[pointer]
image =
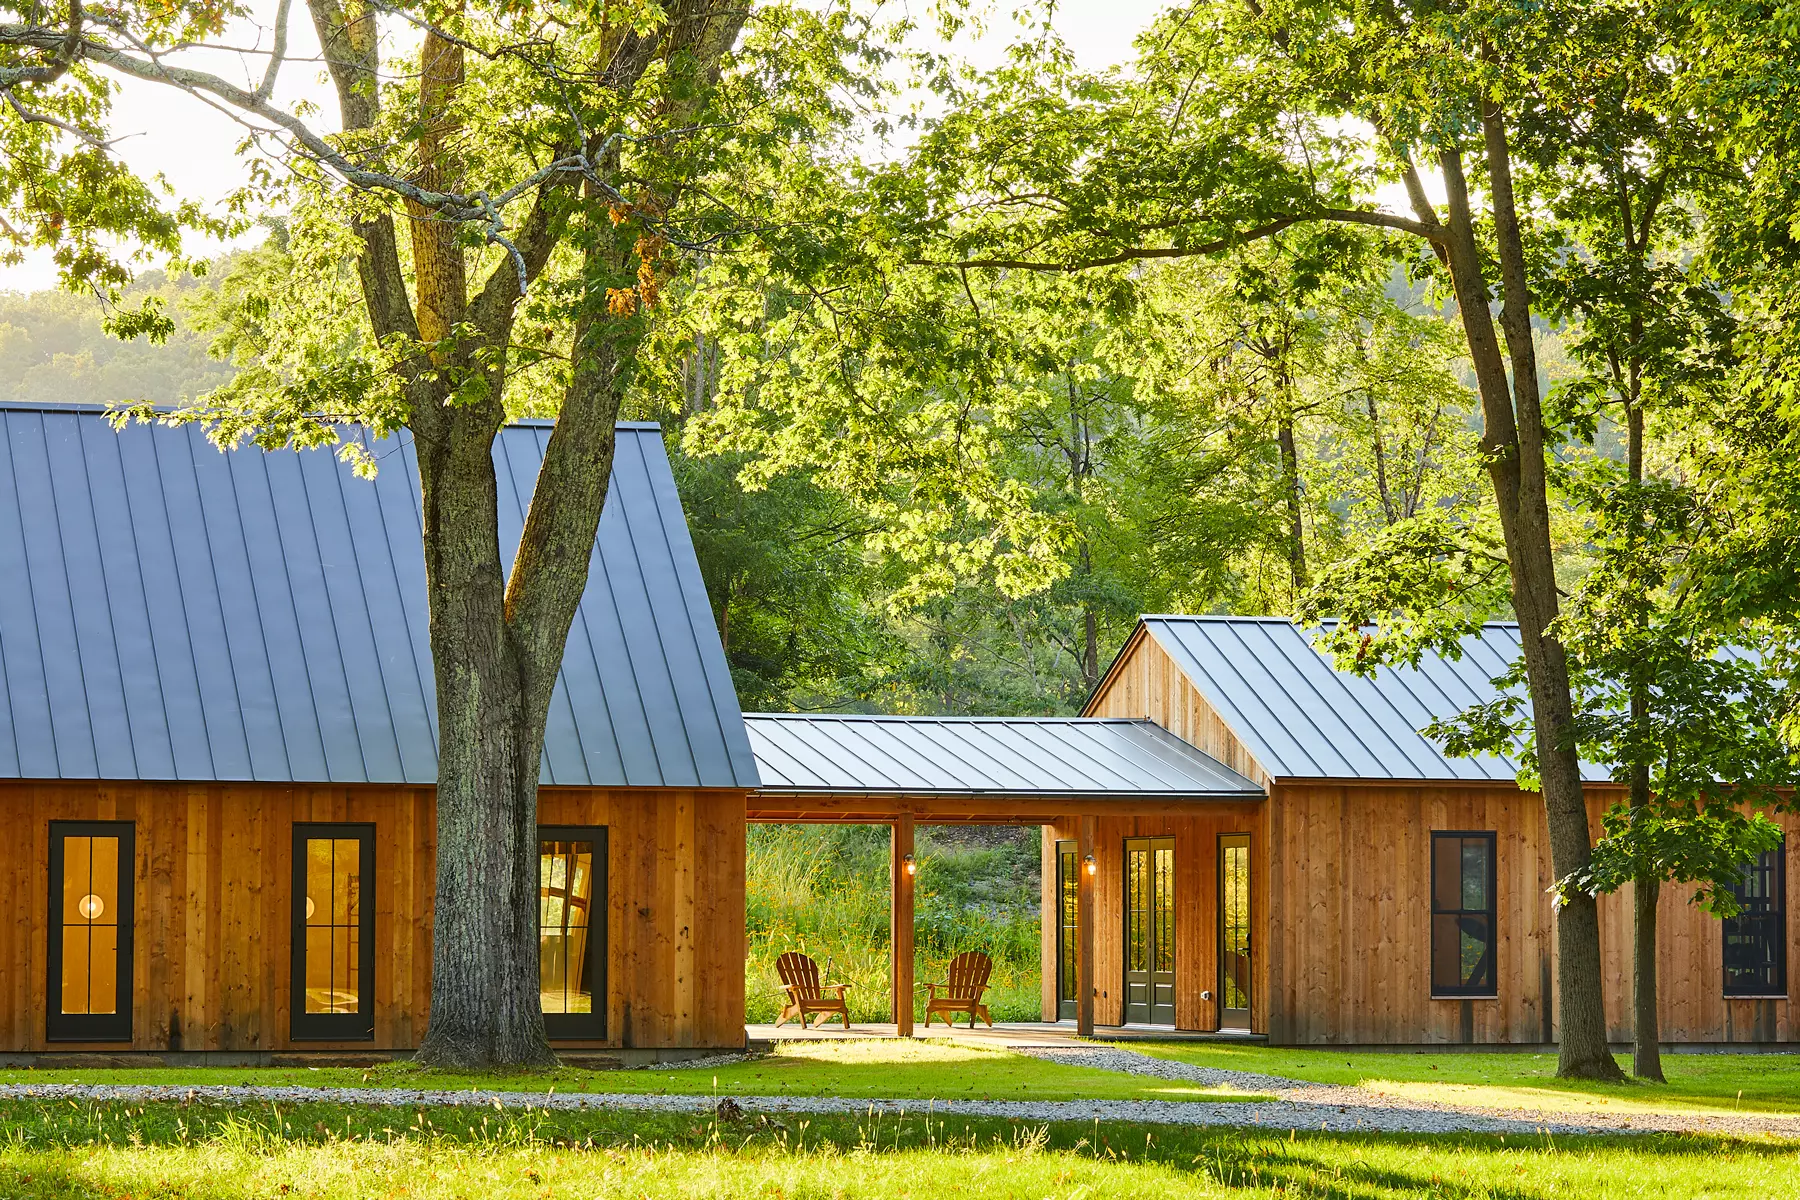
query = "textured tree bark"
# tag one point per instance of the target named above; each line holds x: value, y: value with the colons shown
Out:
x: 1290, y: 496
x: 1646, y: 1030
x: 485, y: 1004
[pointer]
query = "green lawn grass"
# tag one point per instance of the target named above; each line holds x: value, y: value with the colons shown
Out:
x: 888, y: 1070
x: 215, y: 1152
x: 1751, y: 1083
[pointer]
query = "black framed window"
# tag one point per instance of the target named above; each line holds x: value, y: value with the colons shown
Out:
x: 91, y: 893
x: 333, y: 990
x: 1462, y: 913
x: 572, y: 930
x: 1756, y: 939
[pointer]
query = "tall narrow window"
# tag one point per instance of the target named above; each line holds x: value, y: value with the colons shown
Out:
x: 572, y: 930
x: 1235, y: 972
x: 1756, y: 939
x: 333, y: 990
x: 90, y: 931
x: 1462, y: 914
x: 1068, y: 929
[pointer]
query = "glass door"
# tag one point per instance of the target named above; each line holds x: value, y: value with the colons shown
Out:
x: 572, y: 930
x: 1150, y: 931
x: 1234, y: 931
x: 1068, y: 910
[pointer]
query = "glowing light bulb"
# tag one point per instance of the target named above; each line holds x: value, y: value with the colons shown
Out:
x: 309, y: 908
x: 90, y: 906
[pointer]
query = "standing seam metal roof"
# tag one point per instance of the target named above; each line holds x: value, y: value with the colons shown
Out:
x: 1010, y: 756
x: 171, y: 612
x: 1300, y: 717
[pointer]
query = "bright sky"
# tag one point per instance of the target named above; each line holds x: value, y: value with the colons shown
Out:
x: 195, y: 149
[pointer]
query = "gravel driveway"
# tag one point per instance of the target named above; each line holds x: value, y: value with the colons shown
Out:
x: 1307, y: 1105
x: 1298, y: 1105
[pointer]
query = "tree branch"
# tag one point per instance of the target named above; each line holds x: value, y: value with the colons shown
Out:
x: 1436, y: 234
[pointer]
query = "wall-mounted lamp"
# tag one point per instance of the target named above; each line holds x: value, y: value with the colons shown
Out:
x: 908, y: 865
x: 1093, y: 868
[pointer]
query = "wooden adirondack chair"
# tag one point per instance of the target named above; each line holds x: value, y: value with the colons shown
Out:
x: 969, y: 973
x: 805, y: 994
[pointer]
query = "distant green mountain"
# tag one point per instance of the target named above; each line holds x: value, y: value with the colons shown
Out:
x: 53, y: 350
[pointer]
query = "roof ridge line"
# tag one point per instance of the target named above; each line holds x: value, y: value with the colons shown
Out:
x: 89, y: 408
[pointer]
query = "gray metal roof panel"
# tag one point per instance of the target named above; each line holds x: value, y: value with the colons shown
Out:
x: 1024, y: 756
x: 170, y: 612
x: 1300, y: 717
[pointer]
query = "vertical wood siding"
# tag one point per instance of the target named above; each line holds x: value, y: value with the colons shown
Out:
x: 1196, y: 909
x: 213, y: 910
x: 1350, y: 937
x: 1146, y: 683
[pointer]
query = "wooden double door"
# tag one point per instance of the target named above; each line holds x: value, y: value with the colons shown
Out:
x: 1150, y: 931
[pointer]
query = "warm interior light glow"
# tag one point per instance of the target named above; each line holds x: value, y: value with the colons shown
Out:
x: 908, y: 865
x: 1093, y: 868
x: 309, y: 908
x: 91, y: 906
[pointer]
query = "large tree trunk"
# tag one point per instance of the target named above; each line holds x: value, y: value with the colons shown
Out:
x: 485, y: 1003
x: 1512, y: 438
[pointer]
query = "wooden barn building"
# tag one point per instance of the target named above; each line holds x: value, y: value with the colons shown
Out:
x: 1379, y: 893
x: 218, y: 751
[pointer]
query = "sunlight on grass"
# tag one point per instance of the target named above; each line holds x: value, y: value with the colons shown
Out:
x: 209, y: 1152
x: 1698, y: 1083
x: 885, y: 1069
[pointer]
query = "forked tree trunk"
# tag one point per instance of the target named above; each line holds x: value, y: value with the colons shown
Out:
x: 1513, y: 441
x: 497, y: 638
x: 485, y: 1002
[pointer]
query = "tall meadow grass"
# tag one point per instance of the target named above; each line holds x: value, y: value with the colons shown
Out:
x: 823, y: 890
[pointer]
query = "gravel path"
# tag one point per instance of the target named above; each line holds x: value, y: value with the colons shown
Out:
x: 1305, y: 1105
x: 1297, y: 1105
x: 1250, y: 1114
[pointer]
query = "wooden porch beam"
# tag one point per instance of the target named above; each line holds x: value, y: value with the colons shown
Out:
x: 901, y: 925
x: 1084, y: 929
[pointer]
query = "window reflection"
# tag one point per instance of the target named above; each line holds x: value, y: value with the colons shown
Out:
x: 333, y: 924
x: 565, y: 898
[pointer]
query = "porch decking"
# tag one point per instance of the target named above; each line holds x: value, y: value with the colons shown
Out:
x: 1005, y: 1035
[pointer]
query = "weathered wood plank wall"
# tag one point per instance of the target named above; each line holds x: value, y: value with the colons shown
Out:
x: 1146, y: 683
x: 1349, y: 934
x: 211, y: 960
x: 1196, y: 908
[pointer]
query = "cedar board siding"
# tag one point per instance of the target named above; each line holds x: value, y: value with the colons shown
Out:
x: 1349, y: 943
x: 1196, y: 908
x: 1345, y: 926
x: 213, y: 911
x: 1145, y: 683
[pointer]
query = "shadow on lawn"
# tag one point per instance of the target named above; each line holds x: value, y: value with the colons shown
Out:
x: 48, y: 1153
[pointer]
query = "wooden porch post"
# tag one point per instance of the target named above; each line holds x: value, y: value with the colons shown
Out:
x: 1084, y: 931
x: 901, y: 926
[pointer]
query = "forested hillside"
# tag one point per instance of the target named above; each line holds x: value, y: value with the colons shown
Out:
x: 54, y: 351
x: 1213, y: 448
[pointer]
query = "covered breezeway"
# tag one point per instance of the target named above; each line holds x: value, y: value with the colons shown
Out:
x: 1121, y: 788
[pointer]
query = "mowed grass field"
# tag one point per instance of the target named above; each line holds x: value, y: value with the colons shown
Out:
x: 857, y: 1070
x: 1700, y: 1083
x: 218, y: 1152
